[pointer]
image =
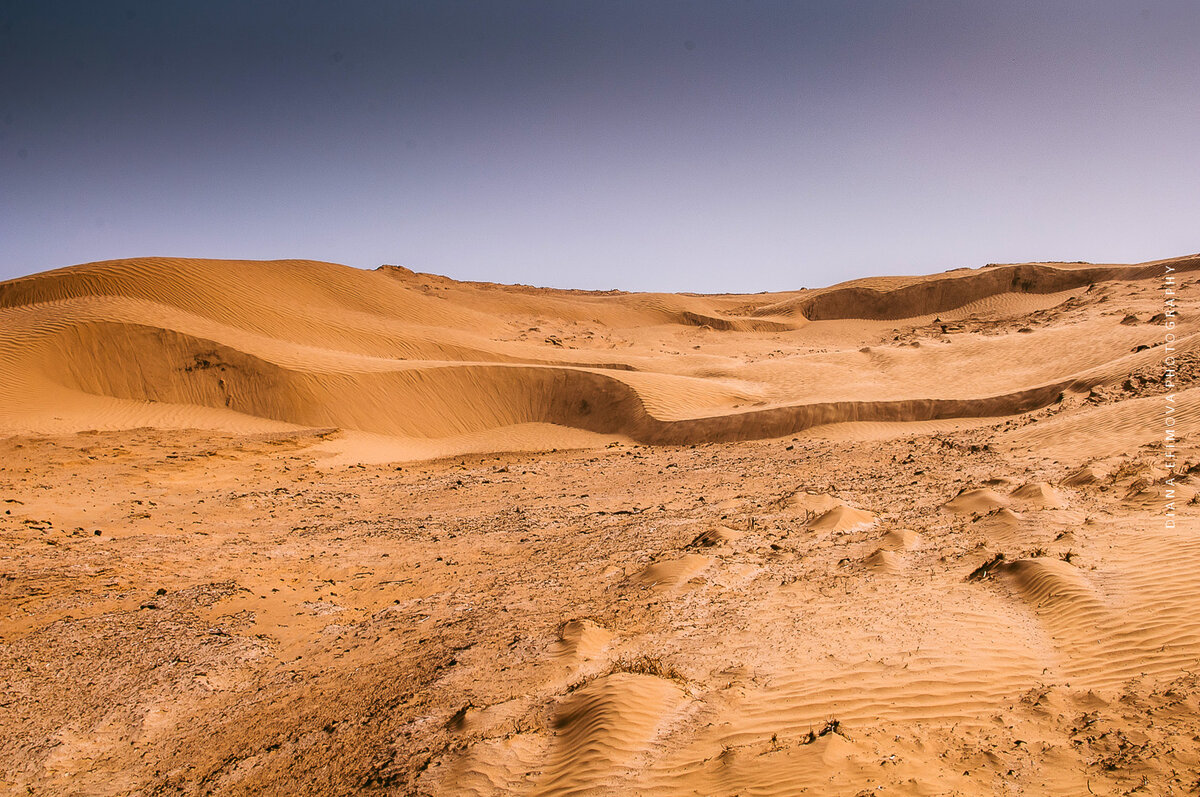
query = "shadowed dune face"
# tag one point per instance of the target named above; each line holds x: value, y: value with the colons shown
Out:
x: 294, y: 528
x: 148, y: 364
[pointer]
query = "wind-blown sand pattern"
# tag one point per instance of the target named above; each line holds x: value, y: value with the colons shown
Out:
x: 290, y: 527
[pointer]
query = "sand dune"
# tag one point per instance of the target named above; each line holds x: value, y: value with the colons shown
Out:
x: 716, y: 537
x: 901, y: 540
x: 290, y: 527
x: 418, y: 357
x: 980, y: 501
x: 885, y: 561
x: 843, y: 518
x: 581, y: 639
x: 900, y: 297
x: 1037, y: 495
x: 673, y: 574
x: 605, y: 725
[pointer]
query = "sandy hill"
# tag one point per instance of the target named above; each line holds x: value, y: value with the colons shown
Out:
x: 439, y: 366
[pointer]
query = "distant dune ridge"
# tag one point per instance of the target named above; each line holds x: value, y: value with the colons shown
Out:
x: 436, y: 366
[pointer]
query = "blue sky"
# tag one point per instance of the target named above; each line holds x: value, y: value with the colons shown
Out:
x: 738, y: 146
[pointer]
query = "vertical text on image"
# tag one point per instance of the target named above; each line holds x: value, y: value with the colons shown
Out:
x: 1169, y: 425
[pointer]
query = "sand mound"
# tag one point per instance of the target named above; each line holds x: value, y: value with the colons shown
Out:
x: 673, y: 573
x: 901, y: 540
x: 815, y: 503
x: 843, y: 518
x: 1038, y: 495
x: 1002, y: 518
x: 581, y: 639
x: 1002, y: 526
x: 976, y: 502
x: 716, y: 537
x: 603, y: 726
x: 885, y: 561
x: 1055, y: 587
x: 1087, y: 475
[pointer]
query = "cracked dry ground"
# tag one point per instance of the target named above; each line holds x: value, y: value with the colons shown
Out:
x: 194, y: 613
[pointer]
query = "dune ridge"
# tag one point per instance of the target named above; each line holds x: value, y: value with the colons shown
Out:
x: 904, y: 299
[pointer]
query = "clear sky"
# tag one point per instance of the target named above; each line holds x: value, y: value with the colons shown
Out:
x: 705, y: 146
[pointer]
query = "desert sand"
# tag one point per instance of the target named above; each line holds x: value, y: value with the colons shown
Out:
x: 291, y: 527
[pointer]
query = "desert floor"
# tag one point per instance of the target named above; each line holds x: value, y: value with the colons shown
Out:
x: 297, y: 529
